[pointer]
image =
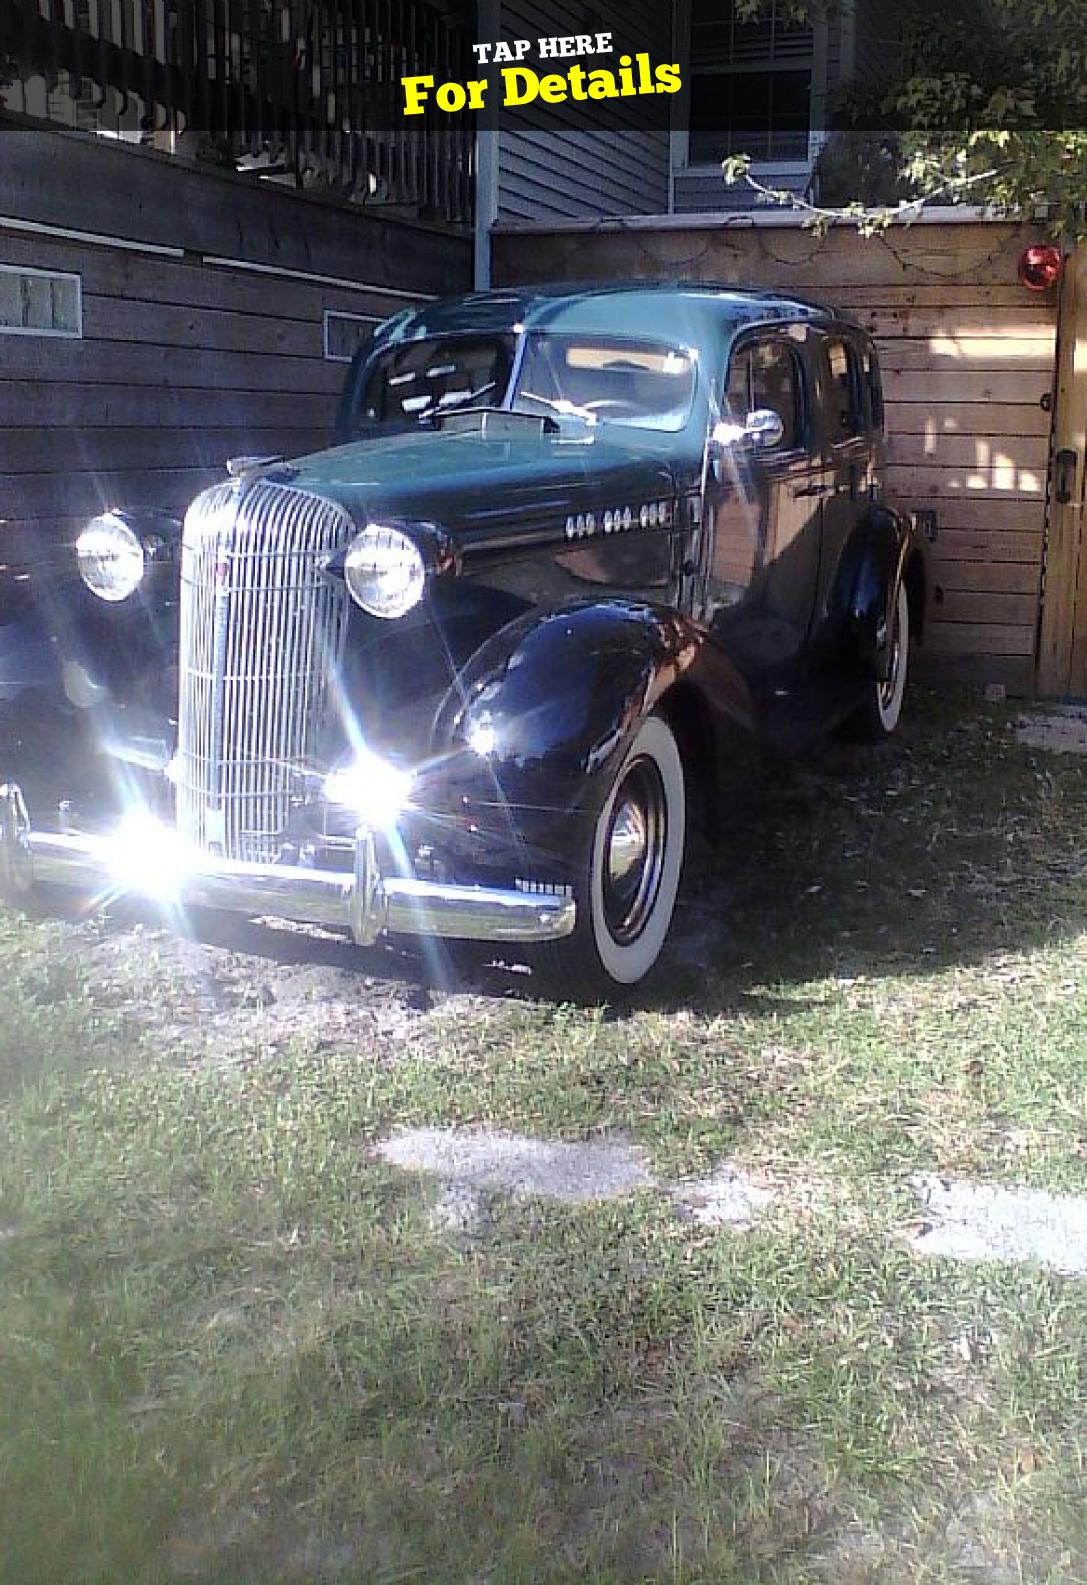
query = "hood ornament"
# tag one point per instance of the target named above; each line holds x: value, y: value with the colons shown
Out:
x: 252, y: 467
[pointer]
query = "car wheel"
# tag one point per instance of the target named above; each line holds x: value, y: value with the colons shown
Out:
x: 626, y: 882
x: 881, y: 711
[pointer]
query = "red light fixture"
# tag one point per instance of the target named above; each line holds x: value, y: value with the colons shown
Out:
x: 1040, y: 266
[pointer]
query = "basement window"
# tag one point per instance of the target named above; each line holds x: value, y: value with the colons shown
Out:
x: 39, y: 302
x: 346, y: 333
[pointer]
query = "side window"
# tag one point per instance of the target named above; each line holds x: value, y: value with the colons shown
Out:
x: 875, y: 387
x: 738, y: 394
x: 766, y: 374
x: 775, y: 384
x: 845, y: 406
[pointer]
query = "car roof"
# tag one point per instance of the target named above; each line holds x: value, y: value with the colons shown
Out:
x: 669, y: 309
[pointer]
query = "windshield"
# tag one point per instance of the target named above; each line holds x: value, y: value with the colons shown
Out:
x: 605, y: 380
x: 413, y: 383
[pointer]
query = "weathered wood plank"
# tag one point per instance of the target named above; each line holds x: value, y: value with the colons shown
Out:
x: 985, y: 576
x: 964, y: 542
x: 57, y: 405
x: 985, y: 455
x: 973, y: 418
x: 133, y: 277
x: 978, y: 293
x: 136, y: 193
x: 968, y: 605
x: 42, y: 496
x: 110, y: 319
x: 1014, y: 672
x: 979, y: 354
x: 936, y: 386
x: 966, y: 508
x: 787, y: 257
x: 977, y: 638
x: 1001, y: 483
x: 961, y: 323
x: 37, y: 450
x: 170, y: 368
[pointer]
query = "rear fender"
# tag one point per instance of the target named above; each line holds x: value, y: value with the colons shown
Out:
x: 876, y: 565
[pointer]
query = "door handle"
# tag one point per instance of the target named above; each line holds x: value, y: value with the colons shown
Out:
x: 805, y: 490
x: 1065, y: 483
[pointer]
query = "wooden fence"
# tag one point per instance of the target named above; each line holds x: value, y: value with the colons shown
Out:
x: 210, y: 324
x: 969, y: 359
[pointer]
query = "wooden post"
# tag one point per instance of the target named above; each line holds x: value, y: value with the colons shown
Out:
x: 1062, y: 652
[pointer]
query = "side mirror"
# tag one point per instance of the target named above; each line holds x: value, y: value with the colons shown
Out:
x: 764, y: 428
x: 761, y: 430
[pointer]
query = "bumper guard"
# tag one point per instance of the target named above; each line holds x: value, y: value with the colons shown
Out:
x: 361, y: 901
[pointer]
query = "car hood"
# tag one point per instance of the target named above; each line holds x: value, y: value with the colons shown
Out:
x: 483, y: 489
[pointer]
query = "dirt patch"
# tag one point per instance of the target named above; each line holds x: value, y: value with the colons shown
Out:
x: 598, y: 1169
x: 471, y: 1164
x: 979, y: 1221
x: 726, y: 1198
x: 1061, y: 731
x: 240, y: 987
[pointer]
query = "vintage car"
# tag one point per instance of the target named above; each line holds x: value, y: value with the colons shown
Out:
x: 468, y: 672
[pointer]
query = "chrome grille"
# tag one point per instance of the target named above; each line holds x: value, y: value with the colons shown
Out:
x: 262, y: 629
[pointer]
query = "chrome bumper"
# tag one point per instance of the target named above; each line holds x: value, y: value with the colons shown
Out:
x: 361, y: 901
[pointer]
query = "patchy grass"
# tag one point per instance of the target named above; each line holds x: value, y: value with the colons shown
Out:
x: 233, y: 1346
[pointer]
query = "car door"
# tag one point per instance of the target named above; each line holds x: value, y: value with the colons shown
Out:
x: 764, y: 563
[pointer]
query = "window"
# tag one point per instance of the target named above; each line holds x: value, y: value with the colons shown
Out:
x: 345, y: 334
x: 875, y: 386
x: 750, y: 84
x: 766, y: 375
x: 845, y: 406
x: 415, y: 382
x: 603, y: 380
x: 39, y: 302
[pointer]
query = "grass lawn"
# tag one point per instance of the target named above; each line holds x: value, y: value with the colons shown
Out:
x: 236, y: 1347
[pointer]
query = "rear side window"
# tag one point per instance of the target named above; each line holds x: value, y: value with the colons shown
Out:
x: 845, y: 401
x: 767, y: 374
x: 870, y: 364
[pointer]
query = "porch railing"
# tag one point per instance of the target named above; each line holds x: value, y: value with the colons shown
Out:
x: 303, y: 91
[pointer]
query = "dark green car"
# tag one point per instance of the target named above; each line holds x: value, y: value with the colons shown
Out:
x: 468, y: 672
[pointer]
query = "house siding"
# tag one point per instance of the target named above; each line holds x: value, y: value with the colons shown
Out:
x: 701, y: 189
x: 203, y: 325
x: 577, y: 170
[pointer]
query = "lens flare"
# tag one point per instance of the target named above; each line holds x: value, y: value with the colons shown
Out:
x: 371, y: 788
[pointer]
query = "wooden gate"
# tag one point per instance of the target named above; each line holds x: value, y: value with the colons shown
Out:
x: 1062, y: 653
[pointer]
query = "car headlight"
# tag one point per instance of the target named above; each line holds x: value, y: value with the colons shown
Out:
x: 372, y: 789
x: 384, y: 571
x: 111, y: 557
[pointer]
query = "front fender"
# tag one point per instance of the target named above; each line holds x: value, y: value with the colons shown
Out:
x: 28, y: 658
x: 79, y: 675
x: 534, y: 728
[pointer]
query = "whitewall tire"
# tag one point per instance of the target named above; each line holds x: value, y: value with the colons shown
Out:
x: 628, y: 880
x: 881, y: 711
